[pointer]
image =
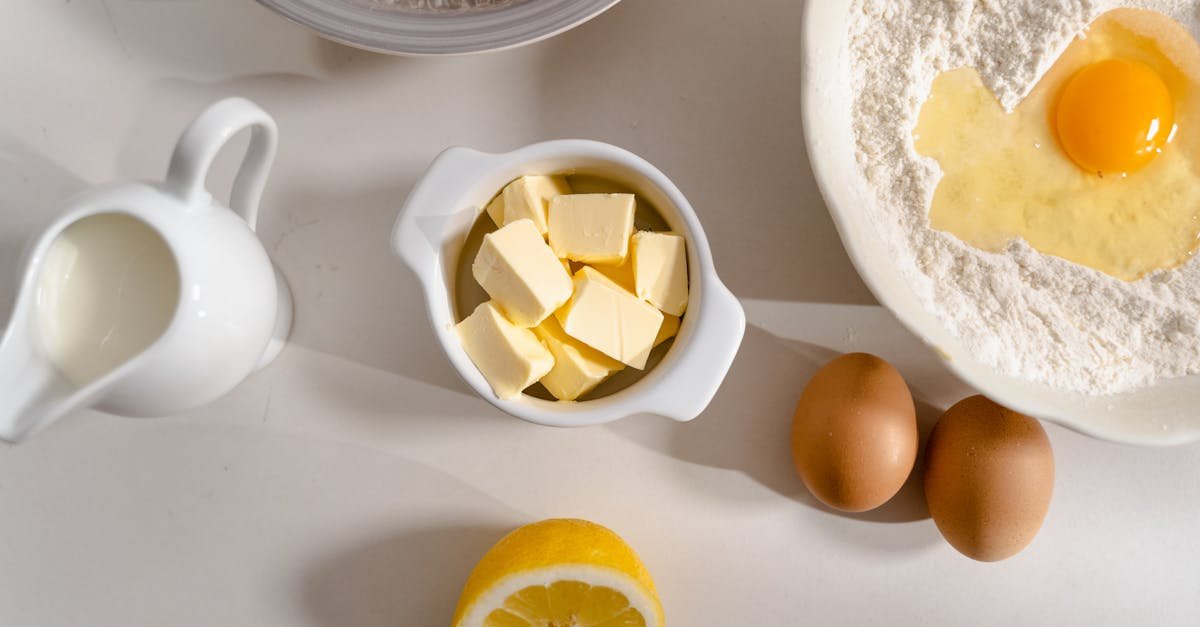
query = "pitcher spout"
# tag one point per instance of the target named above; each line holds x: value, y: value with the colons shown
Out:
x: 33, y: 393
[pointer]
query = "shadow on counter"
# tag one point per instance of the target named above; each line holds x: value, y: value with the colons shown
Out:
x: 33, y: 190
x: 710, y: 93
x: 772, y: 371
x: 212, y: 41
x: 411, y: 578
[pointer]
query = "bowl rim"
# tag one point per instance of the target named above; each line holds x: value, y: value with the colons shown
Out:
x: 1090, y: 415
x: 409, y: 34
x: 680, y: 387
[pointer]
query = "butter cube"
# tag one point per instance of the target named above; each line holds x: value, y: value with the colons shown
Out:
x: 529, y: 198
x: 495, y: 209
x: 592, y: 228
x: 608, y: 318
x: 521, y: 274
x: 660, y: 270
x: 621, y: 274
x: 669, y: 329
x: 578, y: 368
x: 509, y: 357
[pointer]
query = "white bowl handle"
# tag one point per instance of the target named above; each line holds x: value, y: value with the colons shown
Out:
x: 204, y: 138
x: 689, y: 386
x: 419, y: 233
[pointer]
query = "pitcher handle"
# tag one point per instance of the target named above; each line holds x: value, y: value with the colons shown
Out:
x: 204, y: 138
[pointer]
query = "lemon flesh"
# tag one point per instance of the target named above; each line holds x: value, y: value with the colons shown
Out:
x: 566, y: 603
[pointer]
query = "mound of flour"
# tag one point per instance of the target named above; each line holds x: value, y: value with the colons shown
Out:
x: 1030, y: 315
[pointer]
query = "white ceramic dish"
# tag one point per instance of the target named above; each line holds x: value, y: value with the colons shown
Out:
x: 391, y: 27
x: 440, y: 211
x: 232, y: 311
x: 1168, y: 413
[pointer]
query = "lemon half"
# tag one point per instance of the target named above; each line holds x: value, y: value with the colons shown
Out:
x: 559, y: 573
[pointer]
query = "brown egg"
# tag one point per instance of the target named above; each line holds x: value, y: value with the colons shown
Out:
x: 854, y: 436
x: 988, y: 478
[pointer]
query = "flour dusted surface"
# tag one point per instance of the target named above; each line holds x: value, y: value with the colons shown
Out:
x: 1027, y: 314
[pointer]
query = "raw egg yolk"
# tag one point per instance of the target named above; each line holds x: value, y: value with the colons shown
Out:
x: 1114, y: 116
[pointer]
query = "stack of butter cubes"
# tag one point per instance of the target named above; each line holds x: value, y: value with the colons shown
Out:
x: 570, y: 329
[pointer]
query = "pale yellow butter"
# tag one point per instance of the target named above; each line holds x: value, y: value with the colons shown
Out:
x: 591, y: 228
x: 578, y: 368
x: 495, y: 209
x: 509, y: 357
x: 521, y: 274
x: 529, y: 198
x: 621, y: 273
x: 660, y: 270
x: 608, y: 318
x: 668, y: 330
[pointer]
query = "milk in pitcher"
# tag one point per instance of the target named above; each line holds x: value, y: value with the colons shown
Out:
x: 108, y: 290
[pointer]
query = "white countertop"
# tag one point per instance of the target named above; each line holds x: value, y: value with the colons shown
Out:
x: 356, y: 481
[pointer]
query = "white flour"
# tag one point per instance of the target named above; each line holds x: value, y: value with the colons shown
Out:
x: 446, y: 5
x: 1028, y: 314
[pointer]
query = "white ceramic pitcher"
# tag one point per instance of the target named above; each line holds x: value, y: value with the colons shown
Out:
x: 225, y: 312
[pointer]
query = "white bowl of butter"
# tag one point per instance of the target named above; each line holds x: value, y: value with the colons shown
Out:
x: 445, y: 223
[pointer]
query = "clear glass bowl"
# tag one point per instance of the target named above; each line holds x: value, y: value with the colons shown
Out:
x: 433, y: 27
